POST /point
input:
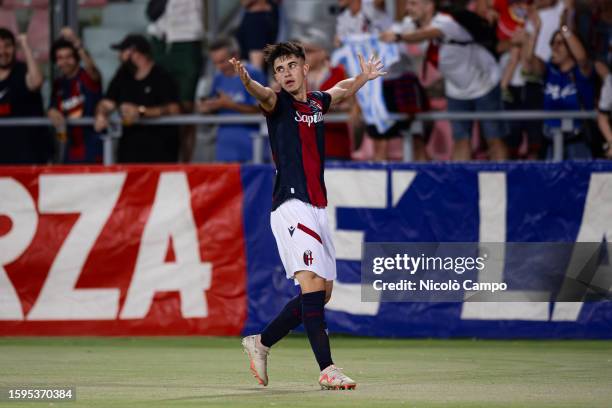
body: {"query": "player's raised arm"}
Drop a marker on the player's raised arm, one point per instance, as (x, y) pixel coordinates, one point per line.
(370, 70)
(264, 95)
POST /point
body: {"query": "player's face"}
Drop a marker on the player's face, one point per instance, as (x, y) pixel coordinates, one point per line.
(290, 73)
(220, 59)
(65, 61)
(7, 53)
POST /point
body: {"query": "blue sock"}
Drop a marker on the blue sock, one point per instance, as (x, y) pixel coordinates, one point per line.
(313, 316)
(288, 319)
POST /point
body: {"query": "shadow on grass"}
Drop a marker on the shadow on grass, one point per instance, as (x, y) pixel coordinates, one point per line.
(247, 392)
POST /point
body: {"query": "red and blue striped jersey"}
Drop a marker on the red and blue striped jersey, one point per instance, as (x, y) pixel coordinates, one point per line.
(298, 148)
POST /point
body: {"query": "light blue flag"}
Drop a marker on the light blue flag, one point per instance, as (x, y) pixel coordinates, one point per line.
(370, 97)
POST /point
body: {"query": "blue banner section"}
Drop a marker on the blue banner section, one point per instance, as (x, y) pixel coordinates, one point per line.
(475, 202)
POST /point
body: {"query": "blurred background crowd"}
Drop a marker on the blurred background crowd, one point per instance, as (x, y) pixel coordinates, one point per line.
(158, 58)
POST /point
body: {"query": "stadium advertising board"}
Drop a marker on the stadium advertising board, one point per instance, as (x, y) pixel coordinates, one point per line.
(188, 250)
(154, 250)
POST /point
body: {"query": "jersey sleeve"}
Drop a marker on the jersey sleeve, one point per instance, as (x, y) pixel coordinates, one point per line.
(325, 99)
(275, 110)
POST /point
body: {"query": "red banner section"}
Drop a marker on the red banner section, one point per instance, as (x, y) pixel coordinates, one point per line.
(125, 250)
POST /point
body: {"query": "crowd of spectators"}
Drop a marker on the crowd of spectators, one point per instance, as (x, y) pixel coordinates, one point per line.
(488, 56)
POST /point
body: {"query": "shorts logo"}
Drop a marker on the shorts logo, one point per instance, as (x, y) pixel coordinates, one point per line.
(308, 259)
(291, 230)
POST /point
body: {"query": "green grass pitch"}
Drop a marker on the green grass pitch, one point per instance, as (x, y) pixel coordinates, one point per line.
(206, 372)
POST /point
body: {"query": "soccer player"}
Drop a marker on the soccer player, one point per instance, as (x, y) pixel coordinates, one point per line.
(299, 221)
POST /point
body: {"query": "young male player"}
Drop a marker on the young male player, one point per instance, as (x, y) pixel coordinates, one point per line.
(299, 220)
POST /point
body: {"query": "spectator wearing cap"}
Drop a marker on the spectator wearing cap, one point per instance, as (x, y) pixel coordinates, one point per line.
(20, 96)
(229, 97)
(141, 89)
(321, 75)
(75, 93)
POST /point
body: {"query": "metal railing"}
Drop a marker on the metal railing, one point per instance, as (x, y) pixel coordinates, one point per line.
(116, 128)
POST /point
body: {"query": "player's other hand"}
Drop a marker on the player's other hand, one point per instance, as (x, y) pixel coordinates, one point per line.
(241, 71)
(372, 69)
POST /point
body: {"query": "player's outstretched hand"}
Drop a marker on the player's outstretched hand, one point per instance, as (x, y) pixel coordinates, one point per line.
(241, 71)
(372, 68)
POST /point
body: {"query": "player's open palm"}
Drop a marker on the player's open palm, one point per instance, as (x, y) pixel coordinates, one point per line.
(372, 68)
(240, 69)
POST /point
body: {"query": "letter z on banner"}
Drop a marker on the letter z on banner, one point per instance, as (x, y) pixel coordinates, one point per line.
(134, 250)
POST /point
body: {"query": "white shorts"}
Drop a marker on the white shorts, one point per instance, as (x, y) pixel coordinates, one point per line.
(303, 239)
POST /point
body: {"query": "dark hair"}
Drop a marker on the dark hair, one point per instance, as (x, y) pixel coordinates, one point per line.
(6, 34)
(552, 38)
(62, 43)
(228, 43)
(284, 49)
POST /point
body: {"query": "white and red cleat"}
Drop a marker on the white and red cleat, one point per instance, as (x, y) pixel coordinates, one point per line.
(332, 378)
(258, 357)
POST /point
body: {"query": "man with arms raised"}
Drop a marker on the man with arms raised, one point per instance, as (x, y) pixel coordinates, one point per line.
(299, 220)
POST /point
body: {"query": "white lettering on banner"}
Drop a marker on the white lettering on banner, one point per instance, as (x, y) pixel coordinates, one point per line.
(309, 119)
(342, 185)
(492, 207)
(171, 219)
(596, 225)
(17, 204)
(93, 196)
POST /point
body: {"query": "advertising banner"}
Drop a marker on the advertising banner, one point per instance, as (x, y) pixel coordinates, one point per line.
(135, 250)
(188, 250)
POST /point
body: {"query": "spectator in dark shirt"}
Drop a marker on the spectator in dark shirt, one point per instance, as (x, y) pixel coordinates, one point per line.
(20, 97)
(258, 28)
(141, 89)
(75, 94)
